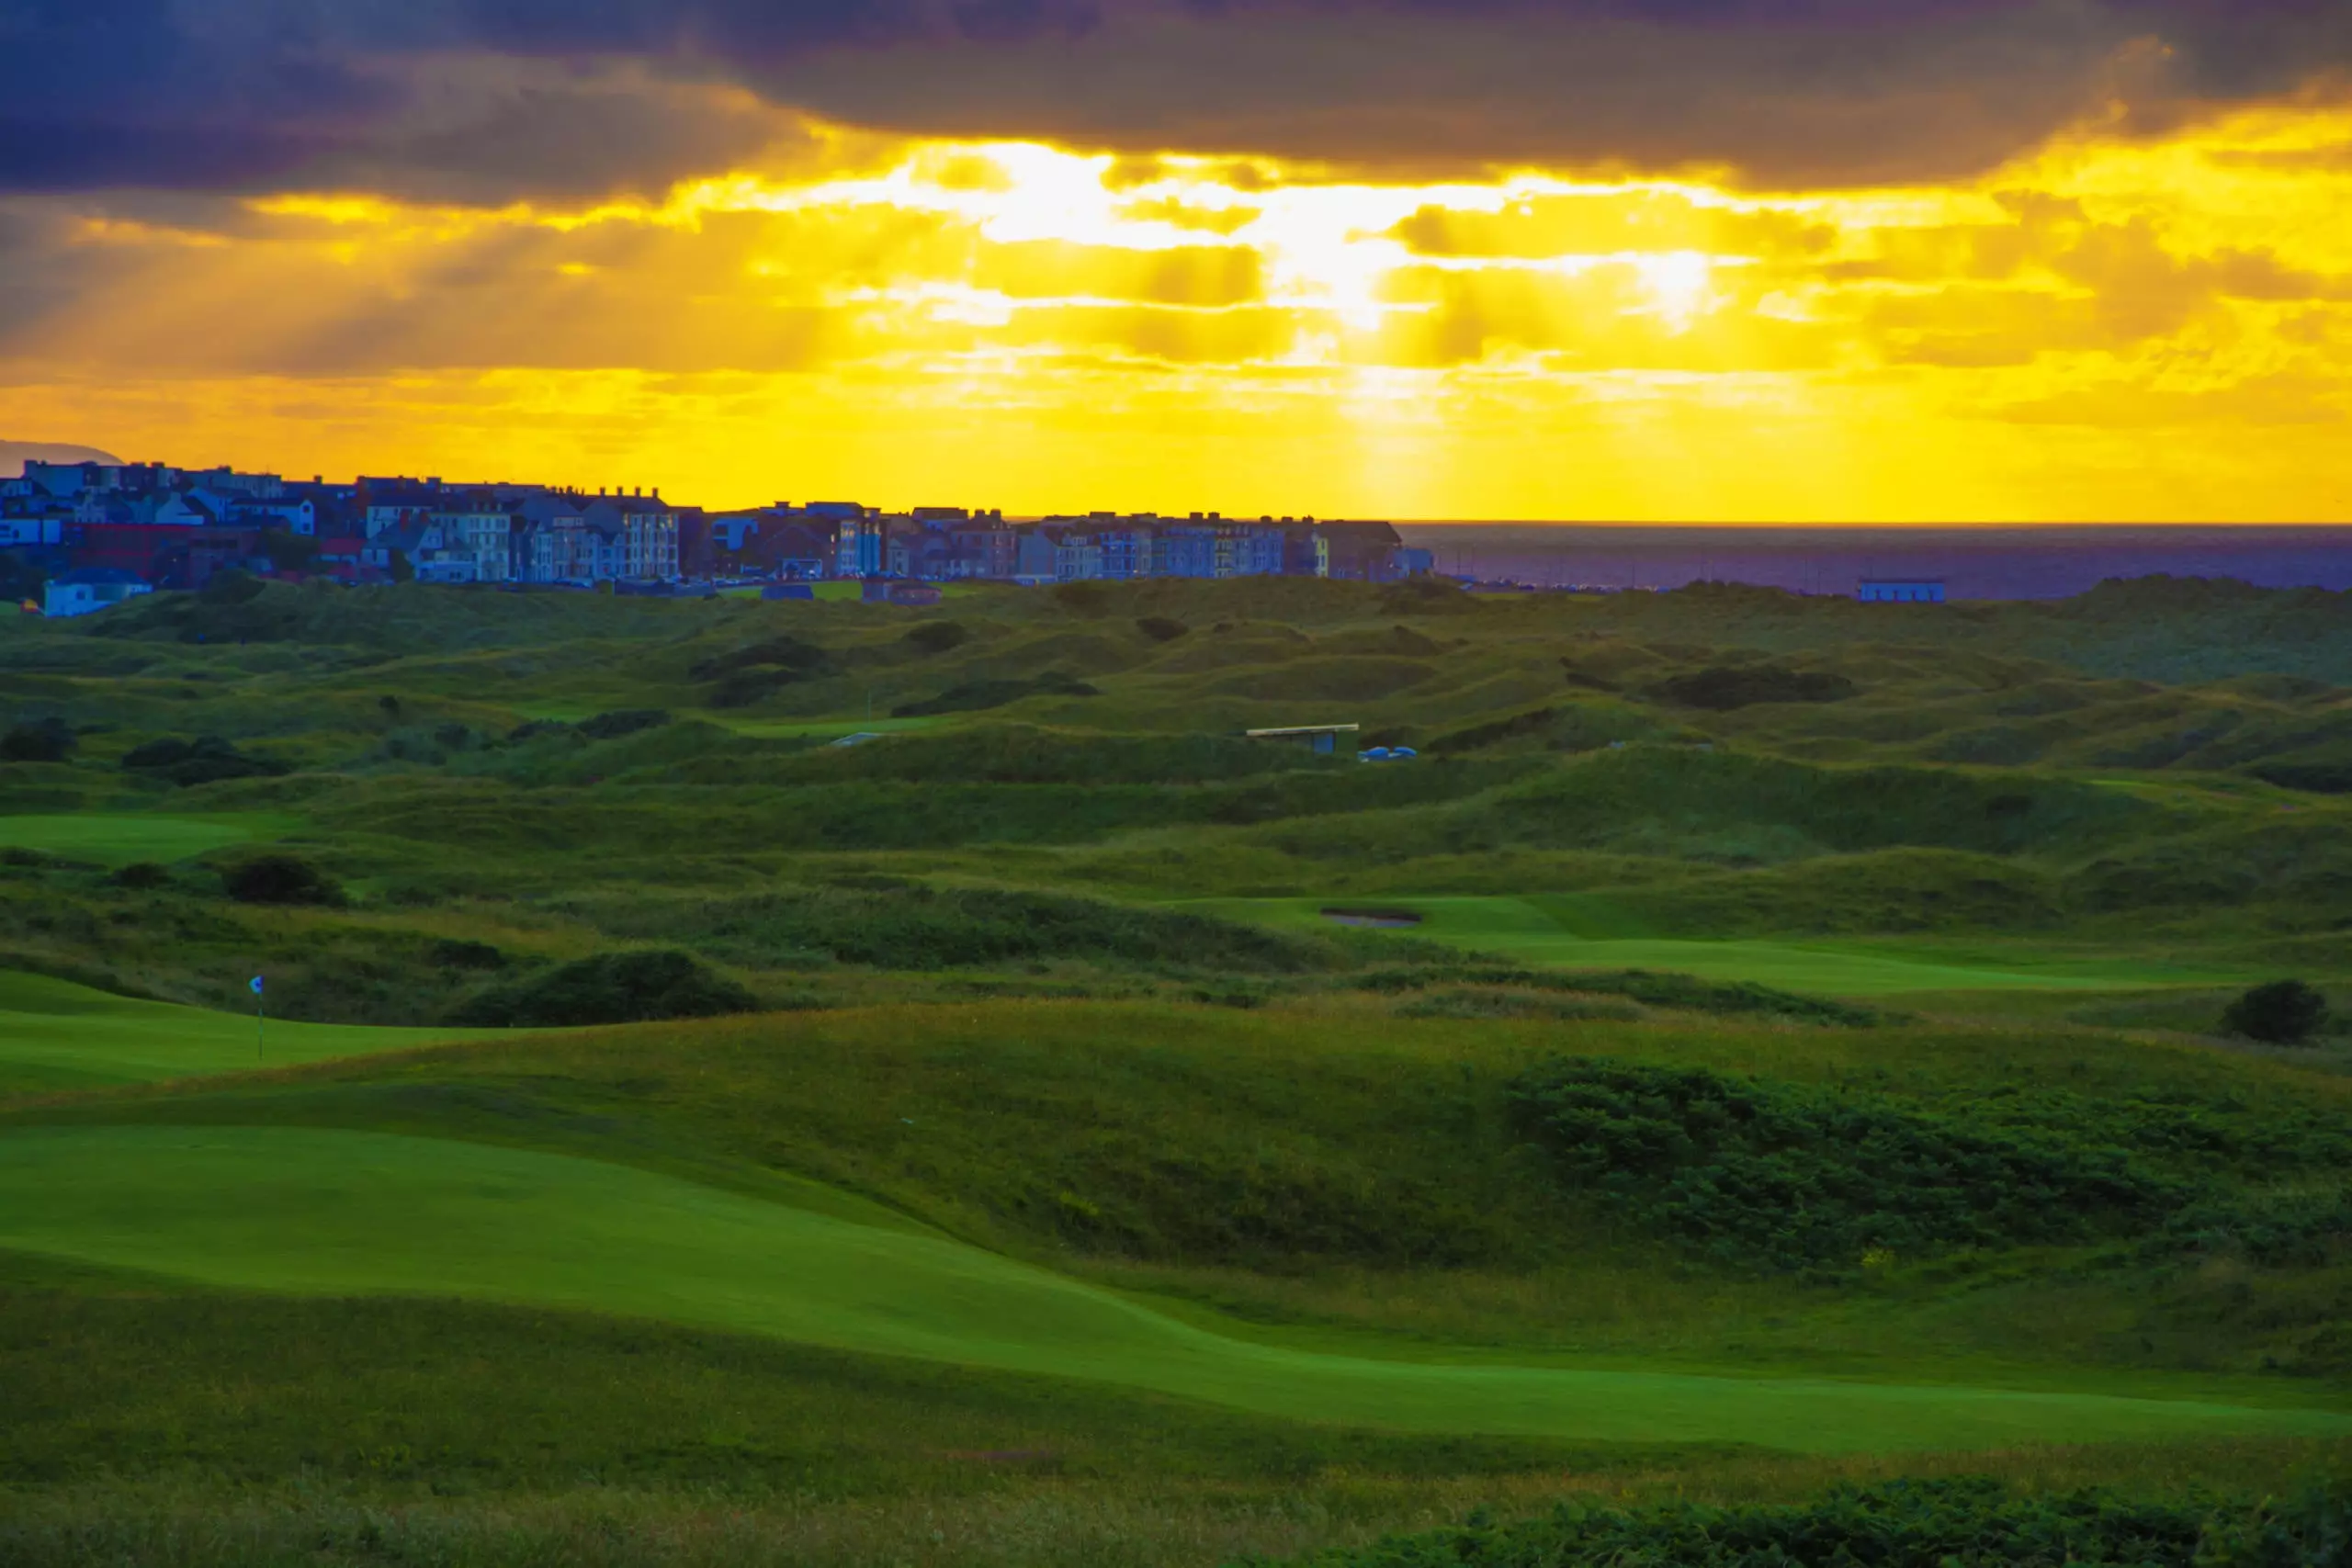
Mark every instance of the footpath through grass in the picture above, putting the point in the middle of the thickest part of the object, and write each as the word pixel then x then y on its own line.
pixel 56 1034
pixel 331 1212
pixel 1579 934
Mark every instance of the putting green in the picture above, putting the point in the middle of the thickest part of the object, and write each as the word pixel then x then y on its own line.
pixel 326 1212
pixel 112 839
pixel 1577 934
pixel 54 1034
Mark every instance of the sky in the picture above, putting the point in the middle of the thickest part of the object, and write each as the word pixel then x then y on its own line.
pixel 1639 260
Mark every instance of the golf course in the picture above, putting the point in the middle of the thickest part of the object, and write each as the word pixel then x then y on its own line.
pixel 1062 1129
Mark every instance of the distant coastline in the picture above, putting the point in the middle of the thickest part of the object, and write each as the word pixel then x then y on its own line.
pixel 1987 561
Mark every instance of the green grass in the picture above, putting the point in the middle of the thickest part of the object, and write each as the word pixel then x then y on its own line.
pixel 996 1174
pixel 1580 933
pixel 330 1212
pixel 119 839
pixel 56 1034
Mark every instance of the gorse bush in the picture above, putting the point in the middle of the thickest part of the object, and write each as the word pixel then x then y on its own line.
pixel 624 721
pixel 1791 1178
pixel 1724 687
pixel 976 696
pixel 206 760
pixel 938 636
pixel 1656 988
pixel 922 927
pixel 280 879
pixel 2284 1012
pixel 1901 1524
pixel 610 988
pixel 47 740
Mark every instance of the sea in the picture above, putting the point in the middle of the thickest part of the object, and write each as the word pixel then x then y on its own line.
pixel 1988 562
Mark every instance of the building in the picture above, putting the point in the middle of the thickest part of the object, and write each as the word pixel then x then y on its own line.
pixel 861 544
pixel 1901 590
pixel 90 590
pixel 1363 552
pixel 481 534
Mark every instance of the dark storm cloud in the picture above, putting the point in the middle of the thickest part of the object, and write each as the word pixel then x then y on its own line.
pixel 496 99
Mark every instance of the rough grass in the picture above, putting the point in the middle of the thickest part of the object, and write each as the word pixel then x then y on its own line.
pixel 281 1209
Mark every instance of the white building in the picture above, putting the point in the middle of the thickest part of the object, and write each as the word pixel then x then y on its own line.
pixel 90 590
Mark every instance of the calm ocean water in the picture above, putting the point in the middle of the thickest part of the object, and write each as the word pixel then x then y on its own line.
pixel 1974 563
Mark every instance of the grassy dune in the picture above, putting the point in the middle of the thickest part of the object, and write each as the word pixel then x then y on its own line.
pixel 334 1213
pixel 1083 1194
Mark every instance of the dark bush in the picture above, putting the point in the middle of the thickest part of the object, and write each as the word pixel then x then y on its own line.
pixel 280 879
pixel 938 636
pixel 611 987
pixel 1533 722
pixel 143 876
pixel 206 760
pixel 1898 1524
pixel 626 721
pixel 1722 687
pixel 231 588
pixel 1161 628
pixel 46 741
pixel 1654 987
pixel 2284 1012
pixel 2311 778
pixel 976 696
pixel 455 952
pixel 922 927
pixel 1783 1176
pixel 747 675
pixel 780 653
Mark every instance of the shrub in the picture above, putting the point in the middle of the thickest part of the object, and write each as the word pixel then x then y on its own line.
pixel 143 876
pixel 206 760
pixel 610 988
pixel 1900 1524
pixel 48 740
pixel 280 879
pixel 626 721
pixel 974 696
pixel 1786 1177
pixel 938 636
pixel 922 927
pixel 1722 687
pixel 1653 987
pixel 1161 628
pixel 455 952
pixel 2284 1012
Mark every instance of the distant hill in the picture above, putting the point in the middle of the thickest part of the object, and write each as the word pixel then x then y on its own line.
pixel 15 455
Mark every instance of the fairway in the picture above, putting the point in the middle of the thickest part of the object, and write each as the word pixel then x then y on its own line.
pixel 57 1034
pixel 323 1212
pixel 119 839
pixel 1571 932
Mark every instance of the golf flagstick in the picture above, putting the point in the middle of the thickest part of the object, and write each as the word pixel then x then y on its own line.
pixel 256 983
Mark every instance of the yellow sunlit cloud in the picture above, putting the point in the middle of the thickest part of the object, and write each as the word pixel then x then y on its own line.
pixel 2104 330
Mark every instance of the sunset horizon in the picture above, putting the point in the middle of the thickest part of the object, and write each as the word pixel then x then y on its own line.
pixel 1735 263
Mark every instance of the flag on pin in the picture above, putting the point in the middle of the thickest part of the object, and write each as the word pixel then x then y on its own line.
pixel 255 984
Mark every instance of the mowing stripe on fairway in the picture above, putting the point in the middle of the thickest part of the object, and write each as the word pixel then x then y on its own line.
pixel 327 1211
pixel 121 838
pixel 1523 929
pixel 56 1033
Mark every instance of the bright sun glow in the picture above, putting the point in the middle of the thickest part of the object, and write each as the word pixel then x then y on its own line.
pixel 2104 330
